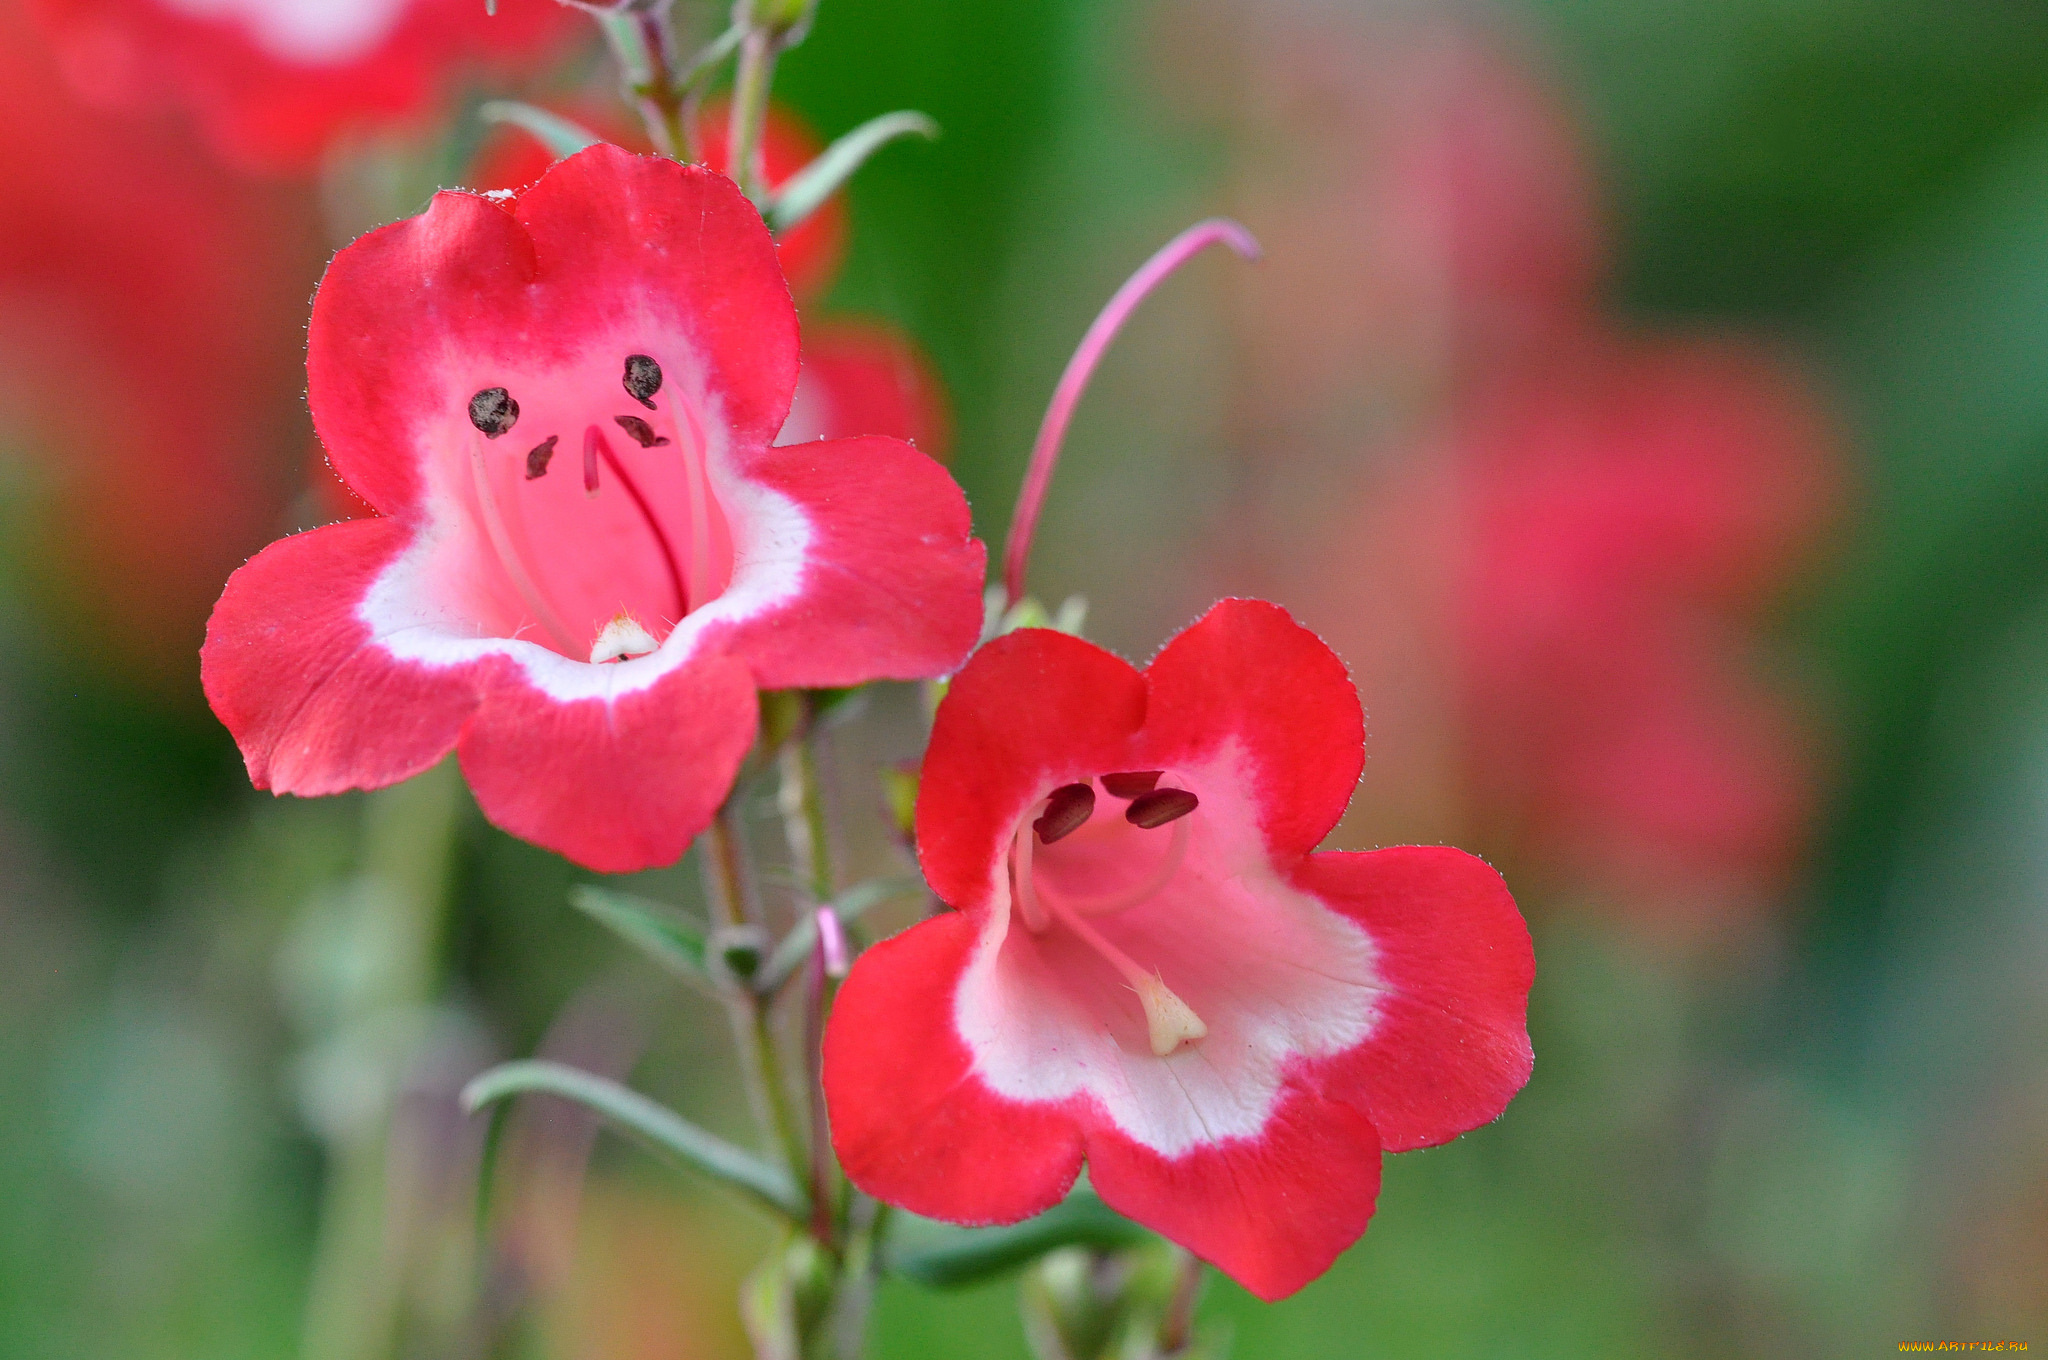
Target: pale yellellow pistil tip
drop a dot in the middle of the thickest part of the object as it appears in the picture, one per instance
(1171, 1021)
(622, 637)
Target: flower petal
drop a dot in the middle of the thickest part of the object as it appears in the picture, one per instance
(1450, 1046)
(1271, 1212)
(1030, 711)
(889, 583)
(911, 1122)
(616, 785)
(315, 704)
(1246, 672)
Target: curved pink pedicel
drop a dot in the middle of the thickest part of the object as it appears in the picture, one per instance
(1045, 450)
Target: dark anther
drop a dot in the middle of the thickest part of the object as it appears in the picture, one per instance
(537, 457)
(643, 379)
(1132, 784)
(493, 411)
(1066, 812)
(1160, 806)
(642, 431)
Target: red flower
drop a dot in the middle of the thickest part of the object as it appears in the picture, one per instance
(1227, 1027)
(275, 81)
(150, 307)
(588, 556)
(1626, 513)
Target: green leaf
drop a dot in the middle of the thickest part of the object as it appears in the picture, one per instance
(657, 1126)
(560, 136)
(942, 1257)
(796, 946)
(668, 937)
(806, 191)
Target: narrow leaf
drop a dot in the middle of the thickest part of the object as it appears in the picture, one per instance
(669, 938)
(943, 1257)
(658, 1127)
(560, 136)
(849, 906)
(806, 191)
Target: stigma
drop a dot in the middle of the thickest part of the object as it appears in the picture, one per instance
(621, 639)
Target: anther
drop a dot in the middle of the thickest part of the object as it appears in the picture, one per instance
(493, 411)
(1159, 807)
(1132, 784)
(643, 379)
(537, 457)
(641, 431)
(1067, 810)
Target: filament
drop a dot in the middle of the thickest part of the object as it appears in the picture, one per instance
(508, 552)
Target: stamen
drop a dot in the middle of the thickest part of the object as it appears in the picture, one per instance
(1132, 784)
(642, 379)
(1066, 811)
(1020, 870)
(641, 431)
(1045, 451)
(493, 411)
(621, 638)
(593, 444)
(508, 553)
(537, 457)
(1159, 807)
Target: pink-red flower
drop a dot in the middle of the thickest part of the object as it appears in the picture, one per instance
(588, 554)
(1623, 513)
(274, 82)
(1153, 972)
(151, 308)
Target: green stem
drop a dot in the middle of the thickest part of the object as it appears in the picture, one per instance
(358, 1282)
(758, 51)
(731, 904)
(645, 46)
(1177, 1328)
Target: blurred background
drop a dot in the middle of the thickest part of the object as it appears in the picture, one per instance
(1645, 399)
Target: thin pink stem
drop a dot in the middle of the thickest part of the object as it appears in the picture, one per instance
(1045, 452)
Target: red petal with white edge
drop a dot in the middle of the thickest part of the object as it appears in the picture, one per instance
(1450, 1042)
(1300, 1193)
(615, 786)
(414, 316)
(314, 703)
(1246, 672)
(911, 1122)
(890, 578)
(1031, 711)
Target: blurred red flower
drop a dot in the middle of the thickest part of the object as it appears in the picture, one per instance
(152, 313)
(1625, 514)
(1559, 539)
(274, 82)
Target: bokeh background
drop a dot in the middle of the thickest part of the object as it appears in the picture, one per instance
(1646, 399)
